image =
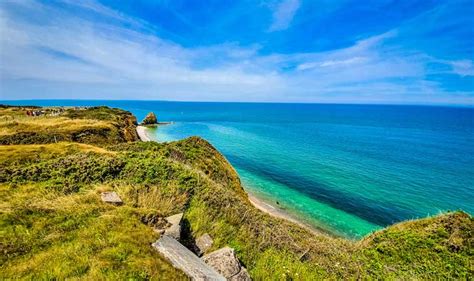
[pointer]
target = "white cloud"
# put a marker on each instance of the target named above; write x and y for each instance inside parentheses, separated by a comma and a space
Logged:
(283, 14)
(69, 56)
(331, 63)
(71, 49)
(463, 67)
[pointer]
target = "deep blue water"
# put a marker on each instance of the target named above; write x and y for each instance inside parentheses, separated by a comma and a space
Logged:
(350, 169)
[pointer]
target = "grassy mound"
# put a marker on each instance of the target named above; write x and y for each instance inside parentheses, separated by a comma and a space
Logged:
(53, 223)
(94, 125)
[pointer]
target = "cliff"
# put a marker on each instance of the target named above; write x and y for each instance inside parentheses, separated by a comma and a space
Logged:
(92, 125)
(55, 225)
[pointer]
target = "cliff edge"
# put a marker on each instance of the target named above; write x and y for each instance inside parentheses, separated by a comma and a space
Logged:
(56, 226)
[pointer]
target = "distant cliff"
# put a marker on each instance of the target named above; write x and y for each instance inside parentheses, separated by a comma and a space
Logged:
(56, 226)
(92, 125)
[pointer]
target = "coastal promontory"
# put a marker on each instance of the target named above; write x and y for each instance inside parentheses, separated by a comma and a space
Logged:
(56, 169)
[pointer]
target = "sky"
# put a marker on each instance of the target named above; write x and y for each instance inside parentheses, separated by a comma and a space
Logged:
(321, 51)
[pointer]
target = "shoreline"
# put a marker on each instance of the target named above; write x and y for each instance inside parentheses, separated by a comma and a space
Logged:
(260, 204)
(141, 131)
(282, 214)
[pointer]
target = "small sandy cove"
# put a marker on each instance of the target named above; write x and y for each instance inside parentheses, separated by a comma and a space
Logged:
(276, 212)
(141, 131)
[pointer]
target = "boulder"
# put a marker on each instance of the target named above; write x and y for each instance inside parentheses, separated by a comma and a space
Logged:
(174, 230)
(223, 261)
(150, 119)
(203, 243)
(111, 197)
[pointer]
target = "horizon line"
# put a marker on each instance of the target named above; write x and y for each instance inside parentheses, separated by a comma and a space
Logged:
(256, 102)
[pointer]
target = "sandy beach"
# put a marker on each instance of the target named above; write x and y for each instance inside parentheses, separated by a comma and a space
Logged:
(279, 213)
(141, 131)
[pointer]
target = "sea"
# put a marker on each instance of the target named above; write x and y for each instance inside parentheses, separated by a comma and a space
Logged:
(347, 169)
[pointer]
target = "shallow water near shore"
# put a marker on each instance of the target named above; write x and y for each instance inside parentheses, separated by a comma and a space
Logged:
(350, 169)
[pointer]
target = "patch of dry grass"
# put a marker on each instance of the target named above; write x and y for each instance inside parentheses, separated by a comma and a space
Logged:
(46, 151)
(47, 124)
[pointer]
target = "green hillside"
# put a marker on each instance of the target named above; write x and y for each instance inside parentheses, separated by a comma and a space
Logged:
(54, 225)
(93, 125)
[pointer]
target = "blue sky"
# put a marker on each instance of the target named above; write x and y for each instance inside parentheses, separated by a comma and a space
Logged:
(337, 51)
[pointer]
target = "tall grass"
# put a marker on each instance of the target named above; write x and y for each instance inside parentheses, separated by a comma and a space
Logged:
(53, 200)
(50, 235)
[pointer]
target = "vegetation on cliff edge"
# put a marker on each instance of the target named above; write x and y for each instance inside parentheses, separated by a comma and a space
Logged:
(93, 125)
(53, 224)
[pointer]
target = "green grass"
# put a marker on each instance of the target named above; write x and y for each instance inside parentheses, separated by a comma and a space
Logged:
(50, 235)
(440, 246)
(53, 223)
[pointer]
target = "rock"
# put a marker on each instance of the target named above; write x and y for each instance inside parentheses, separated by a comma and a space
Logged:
(111, 197)
(203, 243)
(185, 260)
(243, 275)
(224, 261)
(150, 119)
(175, 229)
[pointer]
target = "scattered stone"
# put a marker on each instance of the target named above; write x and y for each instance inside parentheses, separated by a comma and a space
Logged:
(111, 197)
(175, 229)
(150, 119)
(185, 260)
(224, 261)
(203, 243)
(243, 275)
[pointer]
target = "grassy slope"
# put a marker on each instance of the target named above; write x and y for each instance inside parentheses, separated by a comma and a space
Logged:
(96, 125)
(53, 223)
(52, 235)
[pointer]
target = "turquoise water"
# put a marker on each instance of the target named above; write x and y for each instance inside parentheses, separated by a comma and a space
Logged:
(350, 169)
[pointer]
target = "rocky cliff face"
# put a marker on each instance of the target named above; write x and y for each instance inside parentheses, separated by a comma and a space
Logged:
(129, 129)
(150, 119)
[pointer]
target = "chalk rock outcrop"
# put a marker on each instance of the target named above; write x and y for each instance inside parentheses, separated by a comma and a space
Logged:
(150, 119)
(226, 263)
